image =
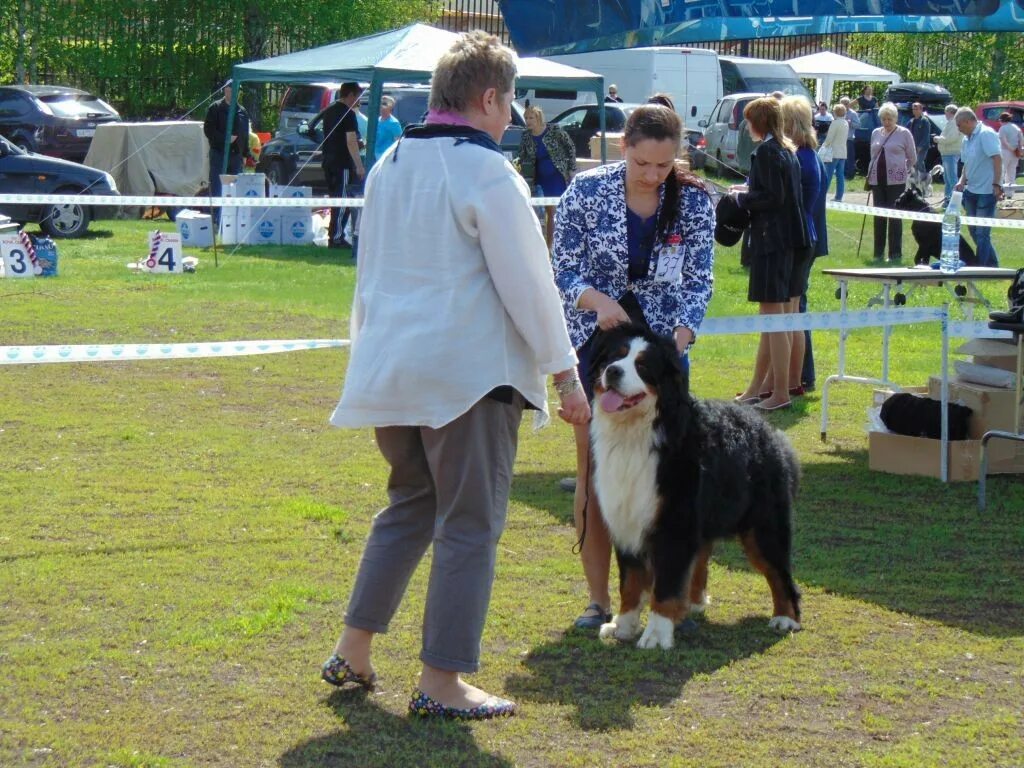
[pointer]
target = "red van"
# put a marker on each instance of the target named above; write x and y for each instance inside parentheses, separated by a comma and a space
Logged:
(990, 111)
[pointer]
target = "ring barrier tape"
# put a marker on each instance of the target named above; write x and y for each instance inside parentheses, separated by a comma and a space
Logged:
(712, 326)
(90, 353)
(358, 202)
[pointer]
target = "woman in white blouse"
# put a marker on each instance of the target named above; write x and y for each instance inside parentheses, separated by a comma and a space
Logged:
(835, 146)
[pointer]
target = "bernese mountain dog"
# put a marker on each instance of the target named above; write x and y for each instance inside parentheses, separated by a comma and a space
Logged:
(673, 475)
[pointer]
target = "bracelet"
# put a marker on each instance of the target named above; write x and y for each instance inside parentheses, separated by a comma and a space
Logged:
(567, 386)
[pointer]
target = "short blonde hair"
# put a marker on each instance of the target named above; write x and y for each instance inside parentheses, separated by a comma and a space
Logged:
(797, 122)
(839, 110)
(477, 61)
(888, 110)
(532, 111)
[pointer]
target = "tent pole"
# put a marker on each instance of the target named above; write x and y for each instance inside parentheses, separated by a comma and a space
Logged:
(372, 119)
(601, 121)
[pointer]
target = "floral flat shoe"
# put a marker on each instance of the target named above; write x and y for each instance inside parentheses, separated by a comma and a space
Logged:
(337, 671)
(424, 706)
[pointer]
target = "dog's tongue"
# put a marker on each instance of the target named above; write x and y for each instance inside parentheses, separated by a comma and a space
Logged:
(611, 401)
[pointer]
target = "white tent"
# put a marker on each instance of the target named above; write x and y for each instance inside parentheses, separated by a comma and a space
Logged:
(827, 68)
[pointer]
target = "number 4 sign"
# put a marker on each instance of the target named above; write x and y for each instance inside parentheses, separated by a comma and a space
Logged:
(18, 256)
(164, 252)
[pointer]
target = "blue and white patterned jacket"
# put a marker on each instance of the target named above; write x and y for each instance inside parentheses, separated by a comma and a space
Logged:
(590, 251)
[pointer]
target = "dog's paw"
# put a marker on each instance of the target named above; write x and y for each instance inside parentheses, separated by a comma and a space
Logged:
(658, 633)
(622, 627)
(700, 607)
(784, 624)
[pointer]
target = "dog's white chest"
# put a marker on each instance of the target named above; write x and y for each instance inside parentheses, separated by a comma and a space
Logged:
(625, 477)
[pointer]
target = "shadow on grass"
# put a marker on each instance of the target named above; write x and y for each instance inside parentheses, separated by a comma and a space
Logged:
(908, 544)
(306, 254)
(376, 737)
(606, 681)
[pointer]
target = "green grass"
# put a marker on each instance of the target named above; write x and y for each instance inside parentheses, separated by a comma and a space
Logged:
(178, 540)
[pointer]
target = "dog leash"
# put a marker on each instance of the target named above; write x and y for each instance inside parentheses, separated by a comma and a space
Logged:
(578, 546)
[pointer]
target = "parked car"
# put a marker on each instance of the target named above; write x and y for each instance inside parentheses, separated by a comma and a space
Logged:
(52, 119)
(582, 123)
(301, 103)
(294, 157)
(27, 173)
(726, 148)
(990, 111)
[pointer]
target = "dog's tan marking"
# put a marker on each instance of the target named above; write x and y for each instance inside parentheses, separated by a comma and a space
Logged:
(675, 608)
(634, 585)
(699, 580)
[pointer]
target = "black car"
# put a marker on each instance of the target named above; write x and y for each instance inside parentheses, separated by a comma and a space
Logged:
(583, 122)
(52, 119)
(869, 121)
(294, 158)
(26, 173)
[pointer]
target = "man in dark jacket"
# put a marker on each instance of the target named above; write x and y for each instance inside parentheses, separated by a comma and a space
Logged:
(922, 129)
(215, 127)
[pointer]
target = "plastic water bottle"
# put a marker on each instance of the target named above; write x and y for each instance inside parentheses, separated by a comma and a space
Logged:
(949, 259)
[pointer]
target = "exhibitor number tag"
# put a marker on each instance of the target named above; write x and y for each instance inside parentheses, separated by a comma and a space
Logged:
(670, 261)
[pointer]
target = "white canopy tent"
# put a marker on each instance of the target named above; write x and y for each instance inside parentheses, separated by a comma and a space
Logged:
(827, 68)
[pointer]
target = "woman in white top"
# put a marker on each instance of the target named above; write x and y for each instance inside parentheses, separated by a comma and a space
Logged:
(1010, 144)
(835, 144)
(455, 325)
(949, 143)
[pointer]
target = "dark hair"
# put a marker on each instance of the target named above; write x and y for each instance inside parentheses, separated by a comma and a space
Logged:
(658, 122)
(663, 99)
(1006, 117)
(347, 89)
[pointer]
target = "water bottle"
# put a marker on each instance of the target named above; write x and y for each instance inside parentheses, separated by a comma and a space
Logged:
(949, 259)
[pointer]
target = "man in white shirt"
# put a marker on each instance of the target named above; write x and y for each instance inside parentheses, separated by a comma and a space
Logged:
(455, 325)
(981, 179)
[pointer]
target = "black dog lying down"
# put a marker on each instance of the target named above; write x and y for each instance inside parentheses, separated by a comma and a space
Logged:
(928, 234)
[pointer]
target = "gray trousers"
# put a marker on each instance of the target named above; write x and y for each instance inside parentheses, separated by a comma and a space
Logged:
(448, 487)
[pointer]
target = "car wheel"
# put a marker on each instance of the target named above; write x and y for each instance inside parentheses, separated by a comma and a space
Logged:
(67, 220)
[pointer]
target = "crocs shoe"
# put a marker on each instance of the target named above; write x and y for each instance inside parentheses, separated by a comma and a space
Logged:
(337, 672)
(599, 617)
(424, 706)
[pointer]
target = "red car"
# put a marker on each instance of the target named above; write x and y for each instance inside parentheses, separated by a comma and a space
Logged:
(989, 112)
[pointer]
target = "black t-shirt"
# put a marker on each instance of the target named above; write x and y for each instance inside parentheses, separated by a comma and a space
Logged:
(338, 120)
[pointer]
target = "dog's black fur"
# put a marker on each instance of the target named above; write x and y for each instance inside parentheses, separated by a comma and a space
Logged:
(722, 472)
(928, 234)
(908, 414)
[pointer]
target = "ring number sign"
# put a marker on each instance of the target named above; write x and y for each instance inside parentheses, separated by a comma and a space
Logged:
(18, 256)
(164, 252)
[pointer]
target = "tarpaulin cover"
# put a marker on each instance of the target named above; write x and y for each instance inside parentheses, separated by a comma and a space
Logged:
(543, 27)
(152, 158)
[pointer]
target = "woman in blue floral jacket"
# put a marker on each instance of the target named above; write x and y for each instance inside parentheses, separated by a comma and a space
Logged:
(633, 241)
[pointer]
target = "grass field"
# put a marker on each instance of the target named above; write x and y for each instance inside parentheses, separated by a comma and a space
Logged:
(178, 540)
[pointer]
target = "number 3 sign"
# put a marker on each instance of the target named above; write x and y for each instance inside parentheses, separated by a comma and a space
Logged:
(164, 252)
(18, 257)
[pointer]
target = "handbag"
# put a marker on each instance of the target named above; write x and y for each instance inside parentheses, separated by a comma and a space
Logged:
(825, 153)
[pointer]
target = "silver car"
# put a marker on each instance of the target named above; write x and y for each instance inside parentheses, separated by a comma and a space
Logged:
(727, 145)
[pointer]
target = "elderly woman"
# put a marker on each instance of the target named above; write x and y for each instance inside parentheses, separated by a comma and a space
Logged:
(455, 324)
(547, 156)
(893, 155)
(835, 147)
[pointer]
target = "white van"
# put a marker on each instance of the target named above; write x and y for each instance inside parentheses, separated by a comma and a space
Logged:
(690, 76)
(553, 102)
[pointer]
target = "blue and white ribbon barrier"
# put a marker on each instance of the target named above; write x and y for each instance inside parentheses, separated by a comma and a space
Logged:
(94, 353)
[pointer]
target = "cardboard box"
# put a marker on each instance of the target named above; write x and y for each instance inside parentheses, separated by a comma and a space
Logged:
(904, 455)
(296, 227)
(264, 226)
(613, 144)
(250, 185)
(196, 229)
(234, 225)
(283, 190)
(991, 408)
(1002, 362)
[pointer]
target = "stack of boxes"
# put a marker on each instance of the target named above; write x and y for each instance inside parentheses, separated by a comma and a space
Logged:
(264, 225)
(991, 408)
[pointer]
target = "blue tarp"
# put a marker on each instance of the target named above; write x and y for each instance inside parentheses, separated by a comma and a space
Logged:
(545, 27)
